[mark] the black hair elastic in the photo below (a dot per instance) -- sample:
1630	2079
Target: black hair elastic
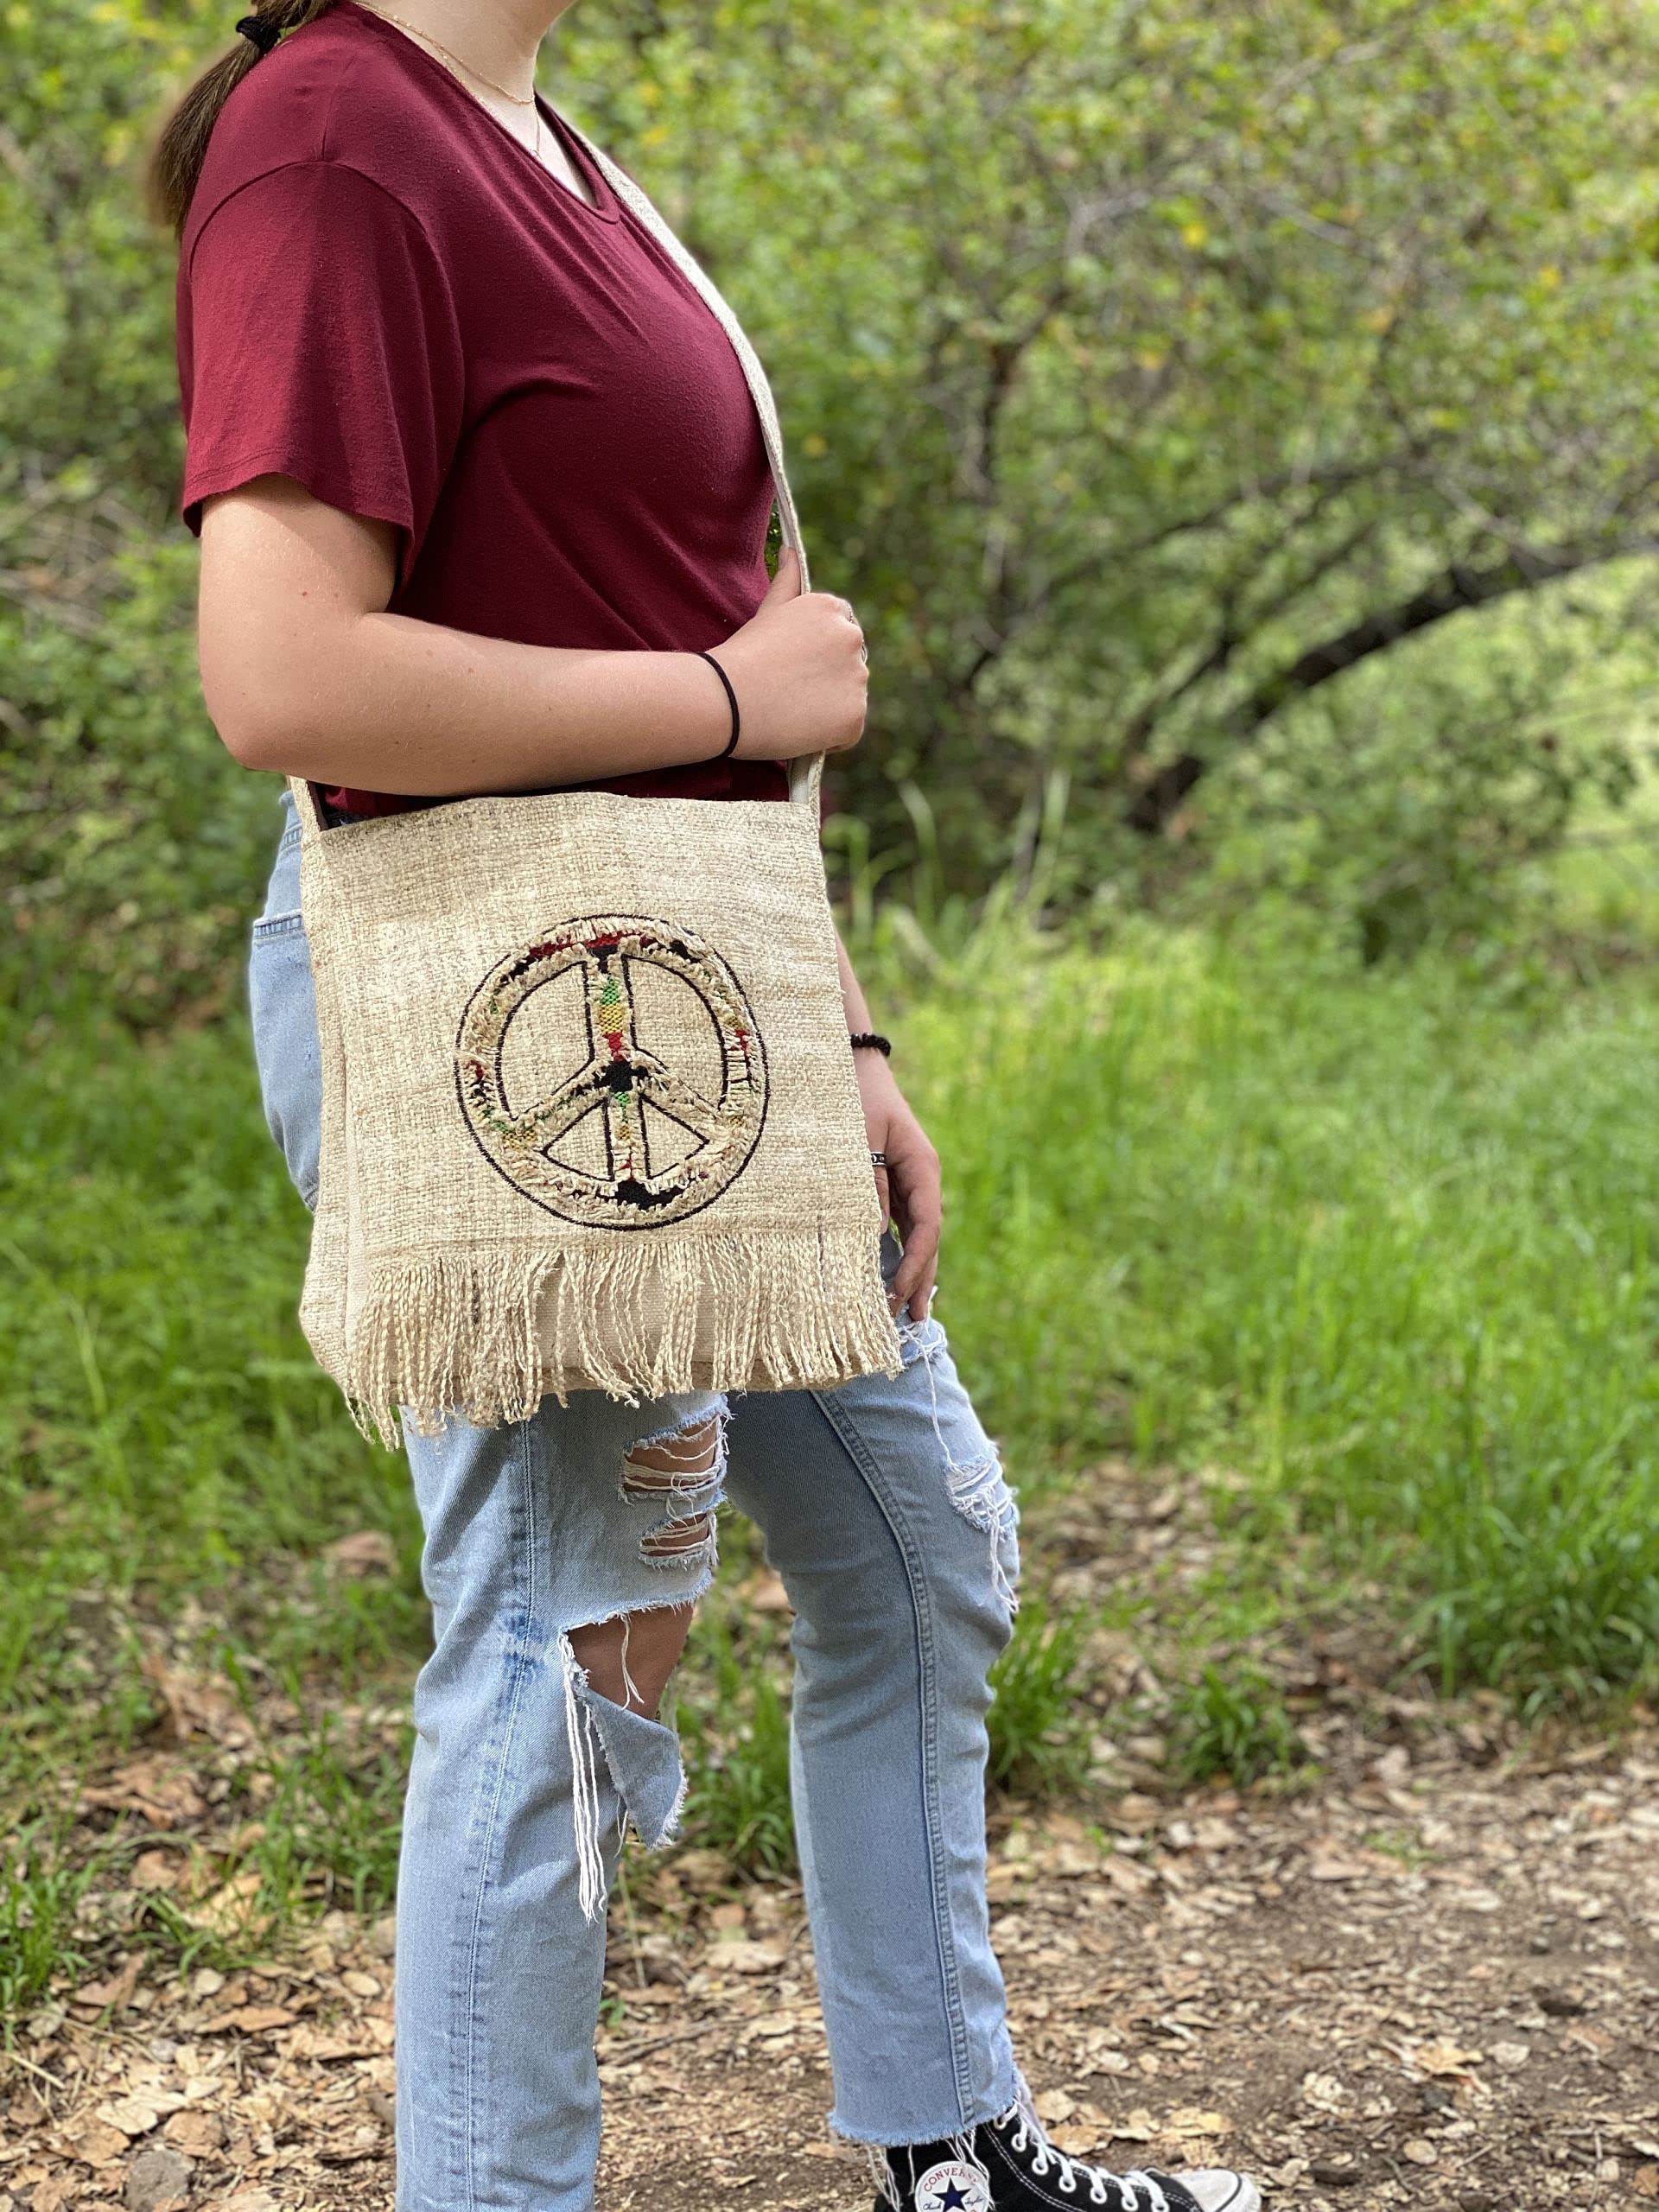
258	33
730	745
871	1040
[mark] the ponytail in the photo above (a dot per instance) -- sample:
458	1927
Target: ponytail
182	146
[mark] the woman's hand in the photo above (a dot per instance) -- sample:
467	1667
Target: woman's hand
798	667
909	1184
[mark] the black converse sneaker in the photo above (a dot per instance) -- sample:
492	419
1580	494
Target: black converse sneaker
1009	2164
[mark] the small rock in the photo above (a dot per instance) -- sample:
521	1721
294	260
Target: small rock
1476	2200
156	2177
1559	2004
1336	2173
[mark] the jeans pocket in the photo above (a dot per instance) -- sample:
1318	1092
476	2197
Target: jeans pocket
281	999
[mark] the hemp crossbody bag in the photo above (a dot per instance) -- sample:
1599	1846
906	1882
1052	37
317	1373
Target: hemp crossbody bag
589	1116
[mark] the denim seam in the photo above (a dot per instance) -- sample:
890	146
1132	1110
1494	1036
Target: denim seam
852	1443
524	1564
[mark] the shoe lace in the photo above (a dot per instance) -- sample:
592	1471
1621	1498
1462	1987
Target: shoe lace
1134	2191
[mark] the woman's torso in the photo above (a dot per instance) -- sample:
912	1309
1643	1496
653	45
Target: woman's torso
382	292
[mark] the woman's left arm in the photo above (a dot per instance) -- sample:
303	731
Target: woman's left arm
909	1184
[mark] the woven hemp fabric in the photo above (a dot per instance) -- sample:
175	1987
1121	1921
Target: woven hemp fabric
590	1120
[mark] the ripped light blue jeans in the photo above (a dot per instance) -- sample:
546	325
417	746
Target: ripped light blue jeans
882	1508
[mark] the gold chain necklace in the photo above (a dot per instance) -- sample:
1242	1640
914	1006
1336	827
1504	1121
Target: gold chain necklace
466	68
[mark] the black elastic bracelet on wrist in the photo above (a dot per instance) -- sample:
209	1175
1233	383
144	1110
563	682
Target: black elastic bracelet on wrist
737	720
867	1040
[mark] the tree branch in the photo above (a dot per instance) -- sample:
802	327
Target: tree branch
1454	591
1457	589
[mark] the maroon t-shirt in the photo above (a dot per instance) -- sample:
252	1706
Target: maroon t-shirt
384	296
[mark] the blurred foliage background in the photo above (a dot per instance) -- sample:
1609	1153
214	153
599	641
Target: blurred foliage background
1237	427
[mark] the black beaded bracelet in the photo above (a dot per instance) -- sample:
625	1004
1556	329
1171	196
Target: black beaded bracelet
867	1040
730	745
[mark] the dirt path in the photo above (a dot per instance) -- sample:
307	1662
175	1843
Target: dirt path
1431	1979
1433	1982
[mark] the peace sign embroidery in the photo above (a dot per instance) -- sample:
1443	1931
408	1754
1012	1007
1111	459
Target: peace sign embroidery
644	1183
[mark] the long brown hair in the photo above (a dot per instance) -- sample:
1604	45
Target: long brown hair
182	146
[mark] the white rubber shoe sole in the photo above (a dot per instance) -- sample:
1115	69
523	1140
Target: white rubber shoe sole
1217	2188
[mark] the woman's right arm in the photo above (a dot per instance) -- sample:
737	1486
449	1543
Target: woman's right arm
304	671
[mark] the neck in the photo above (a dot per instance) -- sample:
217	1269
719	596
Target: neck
500	37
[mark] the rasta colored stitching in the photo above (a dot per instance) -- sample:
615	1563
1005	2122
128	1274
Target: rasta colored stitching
618	1079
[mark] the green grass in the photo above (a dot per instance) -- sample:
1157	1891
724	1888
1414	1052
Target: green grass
1231	1724
1040	1731
43	1889
1378	1248
734	1724
1381	1244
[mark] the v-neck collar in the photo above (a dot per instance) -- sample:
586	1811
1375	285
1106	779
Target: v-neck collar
603	207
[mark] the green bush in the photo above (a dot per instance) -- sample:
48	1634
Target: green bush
1141	449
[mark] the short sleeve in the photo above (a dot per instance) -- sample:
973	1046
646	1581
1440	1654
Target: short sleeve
318	339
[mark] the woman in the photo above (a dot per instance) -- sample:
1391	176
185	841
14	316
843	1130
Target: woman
480	487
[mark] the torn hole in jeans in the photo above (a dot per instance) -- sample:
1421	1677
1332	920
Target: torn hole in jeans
683	1470
981	1494
615	1752
978	1488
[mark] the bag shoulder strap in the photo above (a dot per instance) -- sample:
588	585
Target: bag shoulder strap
805	774
653	220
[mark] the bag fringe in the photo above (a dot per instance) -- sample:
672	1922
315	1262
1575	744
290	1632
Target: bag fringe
489	1333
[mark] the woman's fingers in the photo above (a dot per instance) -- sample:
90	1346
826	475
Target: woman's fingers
786	579
912	1288
920	1220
